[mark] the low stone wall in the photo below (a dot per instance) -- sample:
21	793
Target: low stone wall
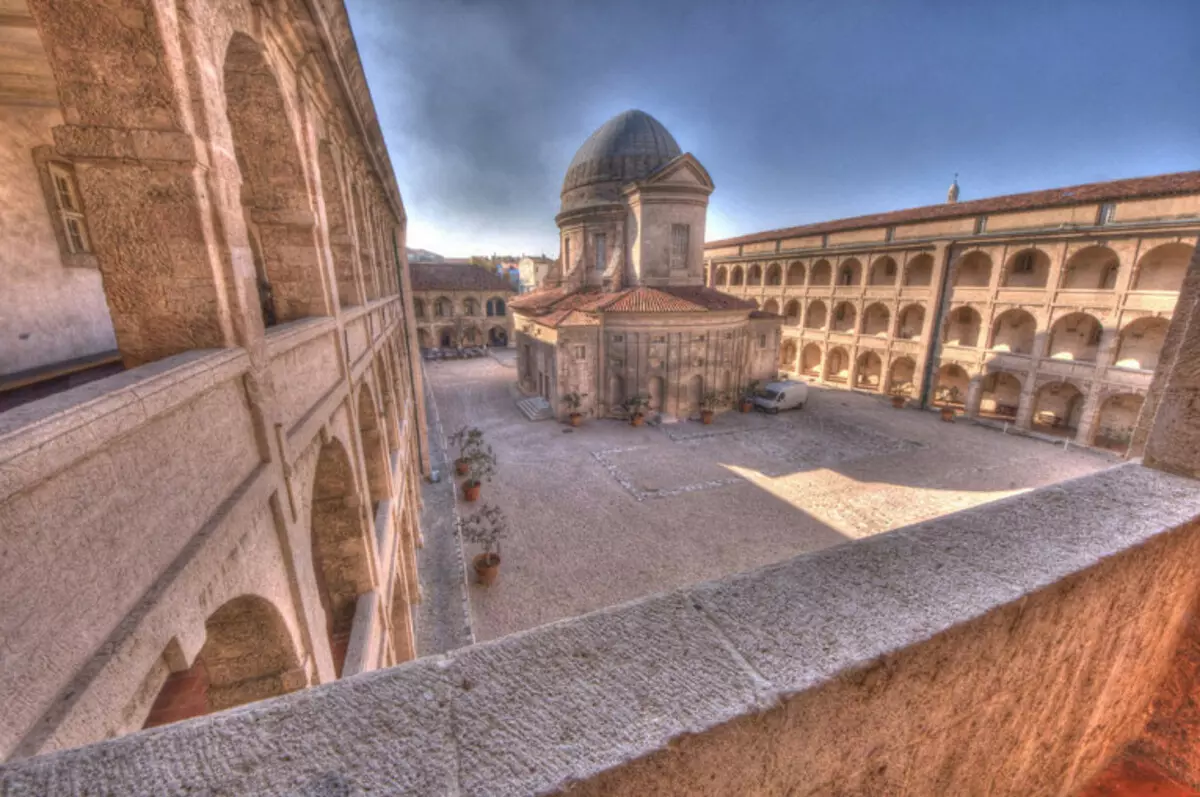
1007	649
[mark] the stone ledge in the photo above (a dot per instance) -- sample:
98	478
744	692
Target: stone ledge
536	711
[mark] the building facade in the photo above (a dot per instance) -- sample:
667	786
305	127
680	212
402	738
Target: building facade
1046	310
625	311
234	515
532	272
456	304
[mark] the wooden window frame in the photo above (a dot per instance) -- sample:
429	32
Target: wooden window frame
50	168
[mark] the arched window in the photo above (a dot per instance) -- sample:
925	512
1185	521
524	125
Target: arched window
443	308
495	306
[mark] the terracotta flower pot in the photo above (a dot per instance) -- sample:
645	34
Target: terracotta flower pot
471	491
948	414
461	466
706	417
576	418
487	569
637	420
898	402
746	406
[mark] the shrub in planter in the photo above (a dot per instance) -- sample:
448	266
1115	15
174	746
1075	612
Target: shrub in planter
468	440
708	405
635	406
900	394
574	401
747	400
481	467
486	528
947	396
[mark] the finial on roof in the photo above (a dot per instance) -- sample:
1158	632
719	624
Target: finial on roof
952	194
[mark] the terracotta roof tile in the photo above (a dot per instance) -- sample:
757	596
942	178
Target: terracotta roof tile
455	277
1161	185
557	306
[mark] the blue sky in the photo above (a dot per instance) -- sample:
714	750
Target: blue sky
801	111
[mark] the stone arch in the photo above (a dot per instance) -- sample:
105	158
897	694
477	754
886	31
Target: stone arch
821	274
973	270
447	337
845	317
1093	268
795	273
443	307
755	275
1000	395
771	306
1028	268
883	271
1163	267
1014	331
658	393
471	336
275	204
340	245
816	317
877	320
950	376
722	276
962	327
902	373
1140	343
910	324
497	337
248	655
374	447
419	308
737	276
868	374
339	553
791	313
850	272
470	306
366	243
495	307
810	360
423	338
1075	337
918	272
1057	407
787	354
837	365
774	274
1115	421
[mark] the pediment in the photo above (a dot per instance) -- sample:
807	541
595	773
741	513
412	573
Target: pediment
682	170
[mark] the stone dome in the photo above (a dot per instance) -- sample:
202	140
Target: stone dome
627	147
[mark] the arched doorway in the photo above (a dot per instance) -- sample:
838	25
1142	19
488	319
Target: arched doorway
795	273
901	374
1000	396
876	320
883	271
822	273
1093	268
1140	344
837	367
248	655
950	387
722	277
735	276
845	317
1116	420
1029	268
498	337
850	272
919	271
911	323
869	373
771	306
339	551
447	338
1056	409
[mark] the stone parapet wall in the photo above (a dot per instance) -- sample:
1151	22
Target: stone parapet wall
1007	649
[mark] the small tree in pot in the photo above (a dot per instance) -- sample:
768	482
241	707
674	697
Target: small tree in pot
636	407
468	439
708	405
487	528
900	394
747	400
948	395
574	401
481	466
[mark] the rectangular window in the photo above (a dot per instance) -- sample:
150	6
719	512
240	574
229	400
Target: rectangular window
70	210
580	352
566	254
598	244
679	245
1106	212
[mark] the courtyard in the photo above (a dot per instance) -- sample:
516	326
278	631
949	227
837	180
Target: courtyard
607	513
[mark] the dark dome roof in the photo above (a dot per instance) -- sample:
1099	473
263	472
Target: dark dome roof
627	147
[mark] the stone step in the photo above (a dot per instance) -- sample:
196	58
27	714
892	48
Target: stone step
536	408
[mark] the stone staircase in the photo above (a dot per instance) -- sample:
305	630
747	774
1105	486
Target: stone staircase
535	408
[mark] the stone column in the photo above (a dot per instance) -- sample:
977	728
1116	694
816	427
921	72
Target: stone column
974	396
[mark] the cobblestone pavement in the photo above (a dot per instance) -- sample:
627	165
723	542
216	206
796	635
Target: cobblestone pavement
443	619
607	513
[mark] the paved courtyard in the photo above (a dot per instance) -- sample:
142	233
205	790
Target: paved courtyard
607	513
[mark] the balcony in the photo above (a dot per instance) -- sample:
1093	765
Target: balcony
1157	301
1089	298
1021	295
922	661
960	295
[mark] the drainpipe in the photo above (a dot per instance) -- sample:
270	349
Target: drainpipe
935	347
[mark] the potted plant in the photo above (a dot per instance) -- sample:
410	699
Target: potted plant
468	439
574	401
947	396
487	528
481	466
708	405
636	407
747	401
900	394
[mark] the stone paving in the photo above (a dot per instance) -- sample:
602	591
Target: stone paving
607	513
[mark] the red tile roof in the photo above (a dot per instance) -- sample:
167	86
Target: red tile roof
1133	188
554	306
456	277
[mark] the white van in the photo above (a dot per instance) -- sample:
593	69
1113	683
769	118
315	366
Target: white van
776	396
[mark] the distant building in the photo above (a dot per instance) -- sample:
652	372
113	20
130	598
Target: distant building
531	273
424	256
460	304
